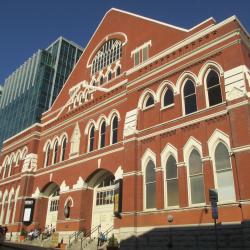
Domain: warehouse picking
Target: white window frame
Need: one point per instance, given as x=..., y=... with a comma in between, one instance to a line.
x=191, y=144
x=147, y=156
x=217, y=137
x=206, y=89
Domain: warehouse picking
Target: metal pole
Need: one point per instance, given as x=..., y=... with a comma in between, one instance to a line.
x=216, y=234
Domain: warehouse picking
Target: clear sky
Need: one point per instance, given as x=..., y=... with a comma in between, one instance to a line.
x=27, y=25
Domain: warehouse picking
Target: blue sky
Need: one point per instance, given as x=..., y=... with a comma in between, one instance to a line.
x=27, y=25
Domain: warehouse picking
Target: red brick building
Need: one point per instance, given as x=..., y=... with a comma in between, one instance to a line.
x=162, y=108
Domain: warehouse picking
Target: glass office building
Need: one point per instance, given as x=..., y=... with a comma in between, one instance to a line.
x=33, y=87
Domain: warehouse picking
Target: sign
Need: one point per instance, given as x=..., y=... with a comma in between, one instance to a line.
x=213, y=195
x=29, y=205
x=54, y=240
x=118, y=198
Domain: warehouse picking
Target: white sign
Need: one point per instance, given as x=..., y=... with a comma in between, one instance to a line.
x=27, y=214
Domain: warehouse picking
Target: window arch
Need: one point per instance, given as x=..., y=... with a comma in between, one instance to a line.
x=168, y=97
x=109, y=75
x=224, y=174
x=196, y=178
x=149, y=101
x=63, y=150
x=55, y=152
x=109, y=52
x=101, y=80
x=118, y=71
x=213, y=88
x=91, y=138
x=189, y=97
x=102, y=135
x=114, y=132
x=172, y=182
x=47, y=155
x=150, y=185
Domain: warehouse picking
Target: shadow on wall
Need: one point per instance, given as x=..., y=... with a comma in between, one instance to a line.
x=230, y=237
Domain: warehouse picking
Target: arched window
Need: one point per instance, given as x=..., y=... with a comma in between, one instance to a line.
x=102, y=134
x=149, y=101
x=82, y=100
x=150, y=185
x=190, y=97
x=224, y=174
x=47, y=155
x=213, y=88
x=168, y=97
x=196, y=180
x=55, y=152
x=114, y=133
x=118, y=71
x=109, y=76
x=172, y=182
x=64, y=144
x=101, y=80
x=91, y=138
x=109, y=52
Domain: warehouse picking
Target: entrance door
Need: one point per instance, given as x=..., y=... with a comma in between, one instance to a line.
x=103, y=205
x=52, y=211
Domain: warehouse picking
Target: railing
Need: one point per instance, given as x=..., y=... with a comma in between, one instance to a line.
x=75, y=236
x=108, y=231
x=89, y=233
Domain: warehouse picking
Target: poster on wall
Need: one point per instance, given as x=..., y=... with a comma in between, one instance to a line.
x=118, y=198
x=29, y=205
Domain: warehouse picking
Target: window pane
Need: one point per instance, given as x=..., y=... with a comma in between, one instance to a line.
x=195, y=164
x=171, y=168
x=214, y=95
x=145, y=54
x=150, y=101
x=190, y=104
x=150, y=195
x=225, y=186
x=222, y=160
x=212, y=79
x=150, y=172
x=168, y=97
x=172, y=193
x=137, y=58
x=197, y=189
x=189, y=88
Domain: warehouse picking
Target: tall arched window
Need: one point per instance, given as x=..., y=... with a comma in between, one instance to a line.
x=55, y=152
x=114, y=132
x=118, y=71
x=150, y=185
x=213, y=88
x=101, y=80
x=189, y=97
x=64, y=144
x=91, y=138
x=224, y=174
x=168, y=97
x=109, y=75
x=149, y=101
x=47, y=155
x=102, y=134
x=196, y=180
x=172, y=182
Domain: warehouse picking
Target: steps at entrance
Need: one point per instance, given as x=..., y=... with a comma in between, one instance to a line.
x=87, y=244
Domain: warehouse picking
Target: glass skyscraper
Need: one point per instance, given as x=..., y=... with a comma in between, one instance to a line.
x=33, y=87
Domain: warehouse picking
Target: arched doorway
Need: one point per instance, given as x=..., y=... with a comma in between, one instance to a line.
x=102, y=182
x=51, y=192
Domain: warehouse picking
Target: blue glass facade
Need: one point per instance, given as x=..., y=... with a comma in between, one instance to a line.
x=33, y=87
